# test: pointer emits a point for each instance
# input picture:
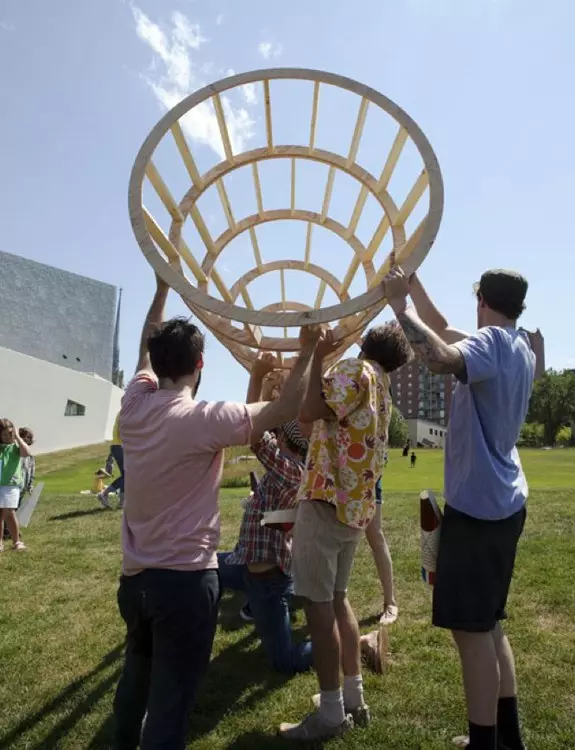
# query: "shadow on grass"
(53, 740)
(251, 740)
(78, 514)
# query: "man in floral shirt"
(351, 408)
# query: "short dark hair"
(5, 424)
(26, 434)
(503, 292)
(176, 349)
(387, 345)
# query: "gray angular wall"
(56, 316)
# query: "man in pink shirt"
(169, 590)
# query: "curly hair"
(387, 345)
(27, 435)
(176, 348)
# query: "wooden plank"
(283, 295)
(377, 238)
(198, 220)
(246, 298)
(351, 271)
(320, 294)
(328, 191)
(268, 112)
(191, 262)
(159, 237)
(357, 211)
(162, 190)
(256, 247)
(392, 158)
(226, 203)
(412, 199)
(308, 244)
(292, 201)
(258, 188)
(220, 285)
(314, 112)
(358, 130)
(186, 155)
(221, 118)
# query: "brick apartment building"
(421, 394)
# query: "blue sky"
(488, 81)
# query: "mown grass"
(62, 638)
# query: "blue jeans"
(269, 594)
(118, 484)
(171, 618)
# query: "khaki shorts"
(323, 552)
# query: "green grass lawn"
(61, 636)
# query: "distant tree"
(118, 378)
(398, 432)
(532, 435)
(564, 435)
(553, 403)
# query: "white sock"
(353, 692)
(331, 707)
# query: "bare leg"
(348, 628)
(480, 676)
(382, 557)
(507, 678)
(12, 523)
(508, 727)
(326, 643)
(1, 527)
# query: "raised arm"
(269, 414)
(24, 447)
(429, 347)
(153, 319)
(314, 406)
(430, 315)
(261, 366)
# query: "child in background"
(12, 450)
(413, 460)
(28, 463)
(382, 558)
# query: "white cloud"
(249, 92)
(269, 49)
(7, 26)
(176, 72)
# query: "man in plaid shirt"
(260, 564)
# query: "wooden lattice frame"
(166, 252)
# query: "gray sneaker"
(361, 716)
(313, 727)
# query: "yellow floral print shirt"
(346, 454)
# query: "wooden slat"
(351, 271)
(258, 188)
(293, 175)
(399, 256)
(268, 110)
(308, 244)
(255, 246)
(320, 294)
(357, 211)
(377, 238)
(412, 199)
(314, 111)
(159, 237)
(283, 295)
(191, 262)
(328, 191)
(163, 193)
(225, 203)
(221, 118)
(361, 115)
(220, 285)
(202, 229)
(186, 155)
(392, 158)
(246, 298)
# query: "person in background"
(413, 460)
(28, 463)
(485, 485)
(117, 485)
(260, 564)
(12, 450)
(351, 409)
(382, 558)
(169, 589)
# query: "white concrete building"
(428, 434)
(58, 354)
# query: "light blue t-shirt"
(483, 473)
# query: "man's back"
(483, 473)
(173, 458)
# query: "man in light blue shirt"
(485, 487)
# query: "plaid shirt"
(276, 491)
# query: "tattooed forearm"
(429, 347)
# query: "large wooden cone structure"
(189, 271)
